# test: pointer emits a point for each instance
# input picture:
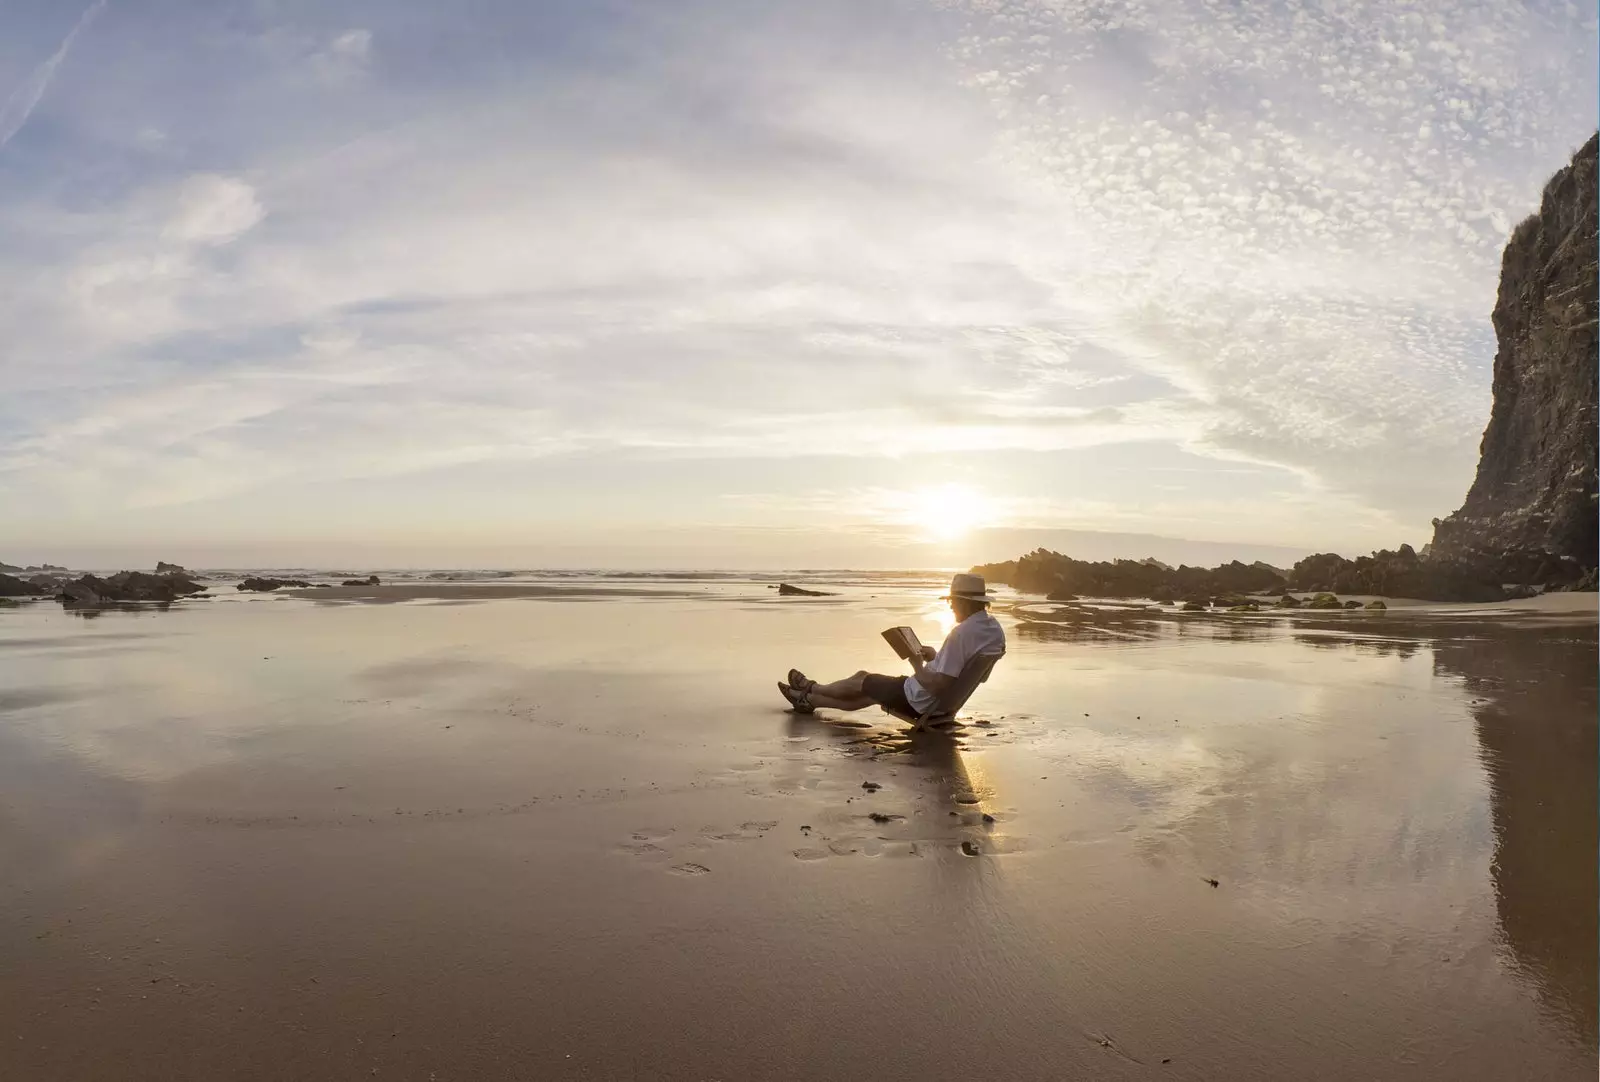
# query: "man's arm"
(932, 681)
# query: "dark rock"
(1352, 604)
(164, 568)
(262, 585)
(1324, 601)
(970, 848)
(987, 818)
(1514, 593)
(15, 587)
(871, 786)
(1376, 605)
(1046, 572)
(10, 567)
(796, 591)
(1585, 583)
(127, 586)
(1400, 573)
(1194, 606)
(355, 582)
(1533, 499)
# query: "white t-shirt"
(979, 633)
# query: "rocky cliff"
(1531, 512)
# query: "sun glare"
(945, 512)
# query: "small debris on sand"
(871, 786)
(970, 848)
(883, 817)
(1213, 882)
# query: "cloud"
(355, 44)
(344, 58)
(25, 97)
(1014, 234)
(214, 209)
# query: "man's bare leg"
(843, 694)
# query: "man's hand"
(929, 653)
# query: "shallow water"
(579, 837)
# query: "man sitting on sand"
(976, 632)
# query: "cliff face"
(1531, 511)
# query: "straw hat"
(969, 587)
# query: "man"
(976, 632)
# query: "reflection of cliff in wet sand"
(1537, 729)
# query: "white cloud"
(214, 209)
(344, 58)
(356, 44)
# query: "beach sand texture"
(462, 836)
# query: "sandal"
(800, 681)
(800, 700)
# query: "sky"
(796, 283)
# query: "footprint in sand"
(644, 850)
(691, 869)
(811, 854)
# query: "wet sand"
(530, 837)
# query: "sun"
(946, 512)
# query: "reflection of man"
(976, 632)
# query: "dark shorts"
(887, 691)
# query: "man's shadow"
(936, 755)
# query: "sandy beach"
(498, 831)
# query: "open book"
(904, 641)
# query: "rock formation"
(10, 586)
(1400, 573)
(1046, 572)
(164, 568)
(786, 590)
(127, 586)
(267, 585)
(1531, 513)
